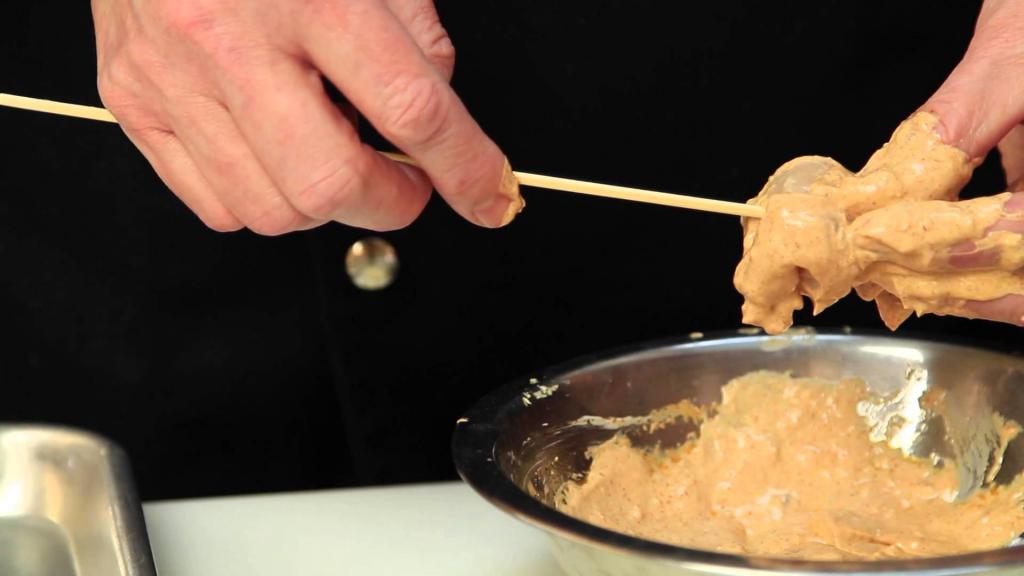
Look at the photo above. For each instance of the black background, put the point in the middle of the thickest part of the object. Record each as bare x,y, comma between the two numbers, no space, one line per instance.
235,363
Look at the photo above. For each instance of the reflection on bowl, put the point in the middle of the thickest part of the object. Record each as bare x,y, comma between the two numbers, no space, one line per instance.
521,443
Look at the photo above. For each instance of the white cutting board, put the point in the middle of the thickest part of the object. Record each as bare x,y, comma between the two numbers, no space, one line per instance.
442,529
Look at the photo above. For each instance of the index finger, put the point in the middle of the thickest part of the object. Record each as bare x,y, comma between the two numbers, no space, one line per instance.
1008,309
381,70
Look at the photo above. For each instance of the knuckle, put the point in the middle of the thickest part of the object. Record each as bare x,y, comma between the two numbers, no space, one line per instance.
439,47
125,101
113,83
276,221
236,59
111,94
125,82
458,187
270,227
228,165
415,109
189,18
333,13
434,39
424,14
220,220
463,185
442,52
214,34
328,195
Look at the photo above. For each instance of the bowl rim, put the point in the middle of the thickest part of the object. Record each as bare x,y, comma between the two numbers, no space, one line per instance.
476,434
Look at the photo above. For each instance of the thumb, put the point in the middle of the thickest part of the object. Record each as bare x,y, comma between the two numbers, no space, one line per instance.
983,98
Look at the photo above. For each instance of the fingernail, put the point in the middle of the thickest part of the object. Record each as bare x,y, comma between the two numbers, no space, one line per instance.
963,247
948,134
939,127
966,255
975,260
499,210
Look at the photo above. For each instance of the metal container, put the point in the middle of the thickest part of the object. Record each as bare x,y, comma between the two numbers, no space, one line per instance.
68,506
519,444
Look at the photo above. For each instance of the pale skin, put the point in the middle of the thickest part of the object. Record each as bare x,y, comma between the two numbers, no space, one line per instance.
225,98
937,256
981,107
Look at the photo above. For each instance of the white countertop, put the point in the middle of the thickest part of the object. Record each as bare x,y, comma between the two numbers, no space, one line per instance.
422,529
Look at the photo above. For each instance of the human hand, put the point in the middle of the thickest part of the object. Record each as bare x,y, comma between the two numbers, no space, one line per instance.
893,231
957,258
226,100
981,103
804,246
972,256
981,106
940,257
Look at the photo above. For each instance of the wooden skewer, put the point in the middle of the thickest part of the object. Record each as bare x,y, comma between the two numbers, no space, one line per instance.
61,108
525,178
624,193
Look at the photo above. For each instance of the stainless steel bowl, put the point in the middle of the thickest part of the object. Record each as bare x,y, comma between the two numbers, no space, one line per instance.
521,442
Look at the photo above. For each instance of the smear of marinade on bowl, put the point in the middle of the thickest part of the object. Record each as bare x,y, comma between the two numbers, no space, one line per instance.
892,231
784,467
